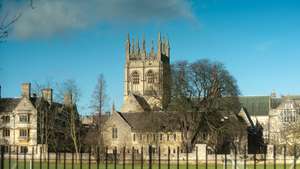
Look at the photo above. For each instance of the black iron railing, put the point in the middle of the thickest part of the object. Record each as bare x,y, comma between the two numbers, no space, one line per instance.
147,158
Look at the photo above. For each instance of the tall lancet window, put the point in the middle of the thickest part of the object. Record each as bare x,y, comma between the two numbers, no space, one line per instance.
135,80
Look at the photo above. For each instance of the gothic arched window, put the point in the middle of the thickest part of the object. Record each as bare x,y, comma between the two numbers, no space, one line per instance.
150,77
135,77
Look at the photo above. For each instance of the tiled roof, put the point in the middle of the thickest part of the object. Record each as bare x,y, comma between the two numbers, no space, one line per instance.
256,105
8,104
150,121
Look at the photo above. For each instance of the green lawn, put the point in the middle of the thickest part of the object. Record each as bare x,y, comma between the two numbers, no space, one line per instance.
136,166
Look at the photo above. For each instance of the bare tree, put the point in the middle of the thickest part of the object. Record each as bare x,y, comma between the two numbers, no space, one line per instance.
98,102
6,21
205,97
70,93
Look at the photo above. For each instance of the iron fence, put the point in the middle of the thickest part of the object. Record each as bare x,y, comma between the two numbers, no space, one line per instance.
146,158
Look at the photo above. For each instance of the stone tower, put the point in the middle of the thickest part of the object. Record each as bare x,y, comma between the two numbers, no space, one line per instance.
147,75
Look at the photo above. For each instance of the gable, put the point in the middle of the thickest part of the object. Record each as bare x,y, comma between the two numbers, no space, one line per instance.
25,105
134,103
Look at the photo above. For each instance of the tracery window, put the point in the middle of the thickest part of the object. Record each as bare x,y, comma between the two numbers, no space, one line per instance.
150,77
135,77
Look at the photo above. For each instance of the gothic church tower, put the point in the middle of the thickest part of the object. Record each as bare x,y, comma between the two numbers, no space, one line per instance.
147,76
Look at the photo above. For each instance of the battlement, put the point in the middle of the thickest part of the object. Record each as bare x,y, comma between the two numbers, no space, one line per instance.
137,51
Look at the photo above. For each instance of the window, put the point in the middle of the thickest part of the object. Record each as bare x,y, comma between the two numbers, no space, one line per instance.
150,77
135,77
24,132
133,137
24,118
141,137
154,137
5,119
147,137
6,149
174,137
114,133
24,149
161,137
6,132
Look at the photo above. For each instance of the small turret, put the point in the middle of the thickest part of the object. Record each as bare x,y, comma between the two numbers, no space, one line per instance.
137,46
127,47
159,46
132,47
144,47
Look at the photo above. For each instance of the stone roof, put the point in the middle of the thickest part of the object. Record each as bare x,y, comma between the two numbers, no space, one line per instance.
8,104
150,121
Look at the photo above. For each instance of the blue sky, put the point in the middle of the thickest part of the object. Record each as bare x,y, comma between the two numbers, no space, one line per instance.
257,40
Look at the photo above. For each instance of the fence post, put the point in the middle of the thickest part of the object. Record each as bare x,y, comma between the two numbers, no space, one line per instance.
196,157
24,159
32,158
98,157
284,157
56,155
295,153
41,151
206,157
142,157
115,158
159,165
226,161
168,157
150,157
187,157
177,157
254,159
80,158
216,158
245,157
235,154
90,151
17,160
265,158
124,157
9,157
106,156
64,159
72,160
132,158
274,156
48,158
2,157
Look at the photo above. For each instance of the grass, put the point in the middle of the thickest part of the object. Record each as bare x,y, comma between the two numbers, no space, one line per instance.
85,165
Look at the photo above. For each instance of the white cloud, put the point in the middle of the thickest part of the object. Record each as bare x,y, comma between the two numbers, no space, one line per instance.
54,16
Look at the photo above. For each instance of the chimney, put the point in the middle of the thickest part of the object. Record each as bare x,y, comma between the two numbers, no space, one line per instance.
47,95
26,90
68,99
0,92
